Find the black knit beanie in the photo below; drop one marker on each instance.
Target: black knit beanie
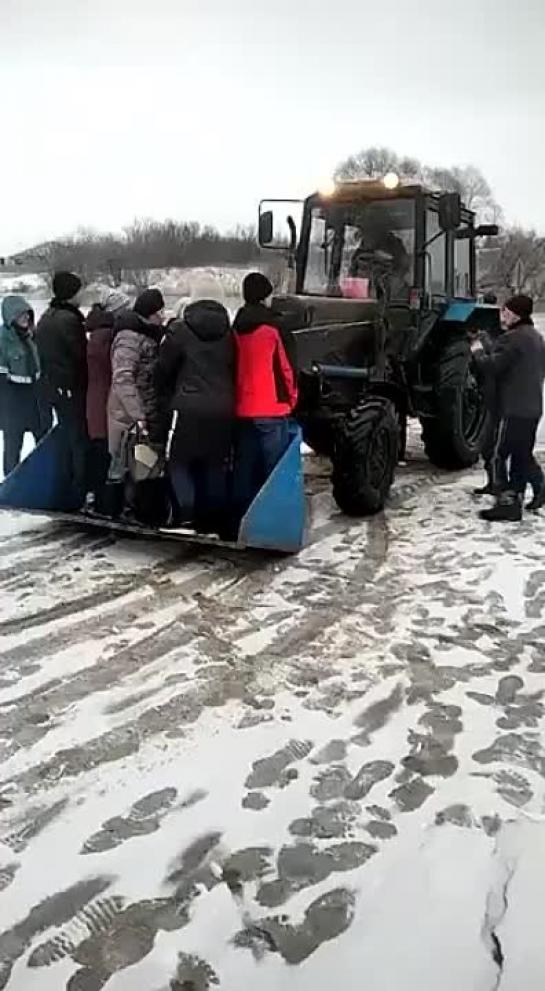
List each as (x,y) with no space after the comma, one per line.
(148,303)
(521,306)
(66,285)
(256,287)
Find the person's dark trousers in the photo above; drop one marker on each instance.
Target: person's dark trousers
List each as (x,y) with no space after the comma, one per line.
(72,418)
(97,473)
(514,463)
(14,433)
(200,488)
(211,494)
(259,446)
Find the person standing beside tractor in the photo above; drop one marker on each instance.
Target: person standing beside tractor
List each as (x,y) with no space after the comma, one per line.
(266,392)
(22,405)
(517,367)
(62,346)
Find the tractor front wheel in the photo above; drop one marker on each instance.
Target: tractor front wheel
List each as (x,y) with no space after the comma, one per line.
(365,457)
(453,438)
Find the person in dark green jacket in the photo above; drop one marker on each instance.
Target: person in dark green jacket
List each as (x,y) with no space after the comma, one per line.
(22,406)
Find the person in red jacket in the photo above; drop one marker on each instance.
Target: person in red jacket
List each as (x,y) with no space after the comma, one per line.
(266,392)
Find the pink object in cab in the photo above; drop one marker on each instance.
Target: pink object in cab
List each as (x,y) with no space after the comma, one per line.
(354,288)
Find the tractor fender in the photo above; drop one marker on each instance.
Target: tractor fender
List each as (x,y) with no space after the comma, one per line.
(389,390)
(417,341)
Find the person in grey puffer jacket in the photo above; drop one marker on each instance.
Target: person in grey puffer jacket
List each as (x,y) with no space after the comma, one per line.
(517,365)
(133,400)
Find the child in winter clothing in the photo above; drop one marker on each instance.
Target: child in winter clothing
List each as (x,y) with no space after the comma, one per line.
(266,392)
(22,406)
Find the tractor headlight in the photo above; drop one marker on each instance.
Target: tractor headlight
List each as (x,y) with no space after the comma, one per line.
(391,180)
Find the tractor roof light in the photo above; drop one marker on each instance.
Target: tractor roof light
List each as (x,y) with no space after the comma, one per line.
(391,180)
(327,187)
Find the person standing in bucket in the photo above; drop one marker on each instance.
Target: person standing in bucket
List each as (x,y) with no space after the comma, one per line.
(134,405)
(62,347)
(517,365)
(99,327)
(23,408)
(196,371)
(266,392)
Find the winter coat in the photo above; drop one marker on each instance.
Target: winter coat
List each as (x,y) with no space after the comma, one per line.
(100,334)
(196,372)
(517,365)
(133,395)
(62,347)
(265,383)
(21,401)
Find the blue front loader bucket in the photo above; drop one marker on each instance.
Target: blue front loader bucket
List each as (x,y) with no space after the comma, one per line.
(274,521)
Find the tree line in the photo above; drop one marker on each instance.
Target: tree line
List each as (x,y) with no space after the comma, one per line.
(143,246)
(514,261)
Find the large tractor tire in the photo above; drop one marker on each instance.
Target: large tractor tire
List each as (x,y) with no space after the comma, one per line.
(454,437)
(365,457)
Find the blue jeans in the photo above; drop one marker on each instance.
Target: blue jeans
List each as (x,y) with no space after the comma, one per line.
(259,445)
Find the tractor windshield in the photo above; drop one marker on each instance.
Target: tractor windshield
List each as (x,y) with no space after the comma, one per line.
(362,251)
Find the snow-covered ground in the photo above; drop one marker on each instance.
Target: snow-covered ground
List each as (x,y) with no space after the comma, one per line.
(233,771)
(237,771)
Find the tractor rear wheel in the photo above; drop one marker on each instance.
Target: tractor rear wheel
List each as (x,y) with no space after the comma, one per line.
(365,457)
(453,438)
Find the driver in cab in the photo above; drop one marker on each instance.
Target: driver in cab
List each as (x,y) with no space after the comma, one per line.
(382,259)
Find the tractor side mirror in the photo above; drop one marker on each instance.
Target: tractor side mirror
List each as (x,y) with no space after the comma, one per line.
(279,221)
(266,228)
(487,230)
(450,211)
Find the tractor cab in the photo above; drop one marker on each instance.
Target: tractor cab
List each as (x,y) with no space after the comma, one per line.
(367,241)
(379,293)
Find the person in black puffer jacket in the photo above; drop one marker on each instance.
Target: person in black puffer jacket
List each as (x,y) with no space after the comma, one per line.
(62,347)
(196,371)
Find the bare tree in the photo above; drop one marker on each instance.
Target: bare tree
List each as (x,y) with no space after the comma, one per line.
(373,163)
(515,262)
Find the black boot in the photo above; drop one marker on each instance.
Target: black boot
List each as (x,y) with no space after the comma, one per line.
(508,509)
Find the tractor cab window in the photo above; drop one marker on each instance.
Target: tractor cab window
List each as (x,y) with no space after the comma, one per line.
(362,251)
(436,255)
(462,267)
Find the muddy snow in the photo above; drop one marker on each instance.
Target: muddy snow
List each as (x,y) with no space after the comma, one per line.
(224,771)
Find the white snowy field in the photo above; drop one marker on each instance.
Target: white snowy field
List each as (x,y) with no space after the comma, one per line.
(219,282)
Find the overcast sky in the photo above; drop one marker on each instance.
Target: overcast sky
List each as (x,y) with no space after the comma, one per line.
(194,109)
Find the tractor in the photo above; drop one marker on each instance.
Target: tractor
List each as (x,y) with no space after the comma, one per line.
(378,306)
